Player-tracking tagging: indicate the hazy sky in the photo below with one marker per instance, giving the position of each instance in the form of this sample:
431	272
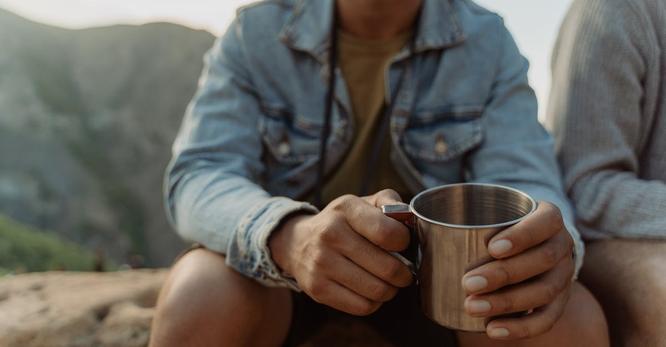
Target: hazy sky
534	23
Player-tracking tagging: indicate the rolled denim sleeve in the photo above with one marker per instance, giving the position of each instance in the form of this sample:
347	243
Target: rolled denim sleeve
517	151
213	189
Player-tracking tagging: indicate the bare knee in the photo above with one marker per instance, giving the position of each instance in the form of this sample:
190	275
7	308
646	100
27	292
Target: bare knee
204	302
627	277
583	319
645	307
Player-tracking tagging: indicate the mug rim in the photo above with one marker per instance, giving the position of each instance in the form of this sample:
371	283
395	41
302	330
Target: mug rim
466	226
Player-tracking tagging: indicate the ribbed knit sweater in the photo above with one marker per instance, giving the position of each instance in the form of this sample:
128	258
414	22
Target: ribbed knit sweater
608	113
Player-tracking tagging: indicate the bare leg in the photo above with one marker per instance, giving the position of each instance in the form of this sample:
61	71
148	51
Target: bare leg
629	278
205	303
582	325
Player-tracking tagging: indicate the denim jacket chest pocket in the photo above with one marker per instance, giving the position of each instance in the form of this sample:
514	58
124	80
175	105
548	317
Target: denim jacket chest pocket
437	139
289	138
291	143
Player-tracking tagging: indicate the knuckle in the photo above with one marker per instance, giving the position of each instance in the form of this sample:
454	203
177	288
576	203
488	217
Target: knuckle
323	225
389	193
374	306
392	271
328	234
364	308
550	292
348	199
506	304
545	206
391	292
335	205
503	275
342	202
526	239
318	290
318	258
379	292
550	256
554	214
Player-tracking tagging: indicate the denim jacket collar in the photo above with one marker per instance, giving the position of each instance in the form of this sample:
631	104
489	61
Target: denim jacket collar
309	26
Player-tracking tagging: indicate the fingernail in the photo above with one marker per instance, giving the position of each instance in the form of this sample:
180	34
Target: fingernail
500	247
478	306
475	283
498	333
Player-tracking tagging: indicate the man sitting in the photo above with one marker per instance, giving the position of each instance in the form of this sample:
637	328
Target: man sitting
403	95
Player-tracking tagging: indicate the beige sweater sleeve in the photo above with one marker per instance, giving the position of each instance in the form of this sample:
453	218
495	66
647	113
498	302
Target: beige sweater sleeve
600	61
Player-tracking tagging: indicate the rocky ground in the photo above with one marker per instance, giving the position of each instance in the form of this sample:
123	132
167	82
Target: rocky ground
68	309
113	309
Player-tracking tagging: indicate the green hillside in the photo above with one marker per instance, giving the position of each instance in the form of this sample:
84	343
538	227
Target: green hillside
23	248
87	119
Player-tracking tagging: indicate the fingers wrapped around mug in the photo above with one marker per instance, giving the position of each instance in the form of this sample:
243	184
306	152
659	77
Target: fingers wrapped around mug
522	297
521	267
341	257
523	292
542	225
537	322
369	221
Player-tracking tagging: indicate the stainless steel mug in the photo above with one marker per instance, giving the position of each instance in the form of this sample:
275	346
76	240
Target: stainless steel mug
454	224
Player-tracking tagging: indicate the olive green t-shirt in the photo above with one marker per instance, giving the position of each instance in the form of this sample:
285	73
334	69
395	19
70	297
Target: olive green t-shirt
364	64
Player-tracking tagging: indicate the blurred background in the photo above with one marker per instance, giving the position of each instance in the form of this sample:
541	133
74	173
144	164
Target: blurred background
91	96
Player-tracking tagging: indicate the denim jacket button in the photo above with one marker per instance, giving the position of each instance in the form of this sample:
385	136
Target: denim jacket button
284	148
440	145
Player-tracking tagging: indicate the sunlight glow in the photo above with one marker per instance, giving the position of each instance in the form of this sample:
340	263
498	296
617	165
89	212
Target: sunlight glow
534	23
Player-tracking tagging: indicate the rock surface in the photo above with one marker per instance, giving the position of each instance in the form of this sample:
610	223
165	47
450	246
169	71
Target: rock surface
67	309
113	309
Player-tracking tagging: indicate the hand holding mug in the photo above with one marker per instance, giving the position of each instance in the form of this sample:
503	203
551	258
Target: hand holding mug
341	256
531	272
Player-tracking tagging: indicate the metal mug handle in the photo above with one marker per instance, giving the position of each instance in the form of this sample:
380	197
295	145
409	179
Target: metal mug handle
403	213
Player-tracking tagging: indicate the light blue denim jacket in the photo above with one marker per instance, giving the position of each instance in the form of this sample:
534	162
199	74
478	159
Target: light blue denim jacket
247	151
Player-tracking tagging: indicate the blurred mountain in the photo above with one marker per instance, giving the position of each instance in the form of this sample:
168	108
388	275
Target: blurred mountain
87	118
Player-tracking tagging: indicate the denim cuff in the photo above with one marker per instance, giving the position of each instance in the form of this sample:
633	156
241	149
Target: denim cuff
248	252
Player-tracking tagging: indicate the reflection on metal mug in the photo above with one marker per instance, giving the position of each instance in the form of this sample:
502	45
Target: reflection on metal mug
453	224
